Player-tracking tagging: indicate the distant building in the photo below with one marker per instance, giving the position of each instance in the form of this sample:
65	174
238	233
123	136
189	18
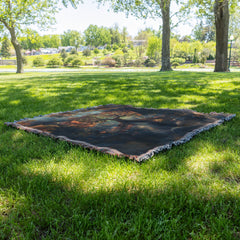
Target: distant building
82	48
67	48
137	43
33	52
48	50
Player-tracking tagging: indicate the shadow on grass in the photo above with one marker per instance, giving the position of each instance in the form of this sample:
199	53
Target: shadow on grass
42	205
106	197
33	95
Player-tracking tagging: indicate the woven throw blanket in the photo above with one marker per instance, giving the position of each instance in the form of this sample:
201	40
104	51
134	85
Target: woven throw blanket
122	130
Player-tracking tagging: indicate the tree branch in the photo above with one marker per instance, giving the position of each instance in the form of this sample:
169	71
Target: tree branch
5	23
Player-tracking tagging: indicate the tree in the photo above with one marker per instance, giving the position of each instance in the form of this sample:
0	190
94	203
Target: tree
154	48
51	41
144	9
221	10
234	25
97	36
72	38
31	41
124	35
205	32
165	9
15	15
144	35
115	35
5	49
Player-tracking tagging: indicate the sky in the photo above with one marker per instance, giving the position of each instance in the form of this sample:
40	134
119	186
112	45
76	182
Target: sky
88	13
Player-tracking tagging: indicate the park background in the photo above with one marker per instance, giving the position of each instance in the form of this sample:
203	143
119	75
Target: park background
96	36
53	190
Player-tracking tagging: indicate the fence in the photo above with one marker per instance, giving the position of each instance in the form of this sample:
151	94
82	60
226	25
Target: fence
235	64
8	62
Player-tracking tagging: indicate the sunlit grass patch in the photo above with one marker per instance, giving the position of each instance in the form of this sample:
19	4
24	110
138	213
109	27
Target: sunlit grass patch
53	190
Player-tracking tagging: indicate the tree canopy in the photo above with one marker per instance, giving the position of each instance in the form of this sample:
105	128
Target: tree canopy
71	38
5	49
97	36
17	15
145	9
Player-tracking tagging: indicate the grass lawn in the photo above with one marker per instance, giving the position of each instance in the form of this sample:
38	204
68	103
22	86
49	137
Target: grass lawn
52	190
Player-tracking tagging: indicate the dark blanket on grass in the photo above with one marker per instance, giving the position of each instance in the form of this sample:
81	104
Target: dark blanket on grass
137	133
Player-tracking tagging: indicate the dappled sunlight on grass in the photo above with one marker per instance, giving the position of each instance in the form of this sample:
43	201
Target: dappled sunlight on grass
51	189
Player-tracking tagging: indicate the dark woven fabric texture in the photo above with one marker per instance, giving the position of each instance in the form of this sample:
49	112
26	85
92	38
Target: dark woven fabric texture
122	130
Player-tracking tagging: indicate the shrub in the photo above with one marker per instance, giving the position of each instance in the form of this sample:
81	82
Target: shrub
97	62
126	59
178	60
63	54
115	46
54	62
105	52
96	50
118	52
119	60
175	64
68	60
138	62
203	59
24	60
74	51
109	48
109	61
38	62
131	46
150	62
125	50
76	62
86	52
73	61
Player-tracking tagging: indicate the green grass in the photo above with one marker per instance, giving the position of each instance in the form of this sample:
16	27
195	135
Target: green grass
52	190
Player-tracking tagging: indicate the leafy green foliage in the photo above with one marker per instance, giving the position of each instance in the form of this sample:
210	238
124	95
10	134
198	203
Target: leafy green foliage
71	38
125	50
119	60
18	14
175	64
96	50
73	61
205	33
24	60
68	60
86	52
38	62
97	36
51	41
109	62
138	62
54	62
150	62
234	25
115	35
154	48
63	54
178	60
31	40
5	49
77	62
74	51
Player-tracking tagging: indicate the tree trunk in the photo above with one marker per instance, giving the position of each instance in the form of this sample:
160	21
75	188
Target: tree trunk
221	12
165	8
17	48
